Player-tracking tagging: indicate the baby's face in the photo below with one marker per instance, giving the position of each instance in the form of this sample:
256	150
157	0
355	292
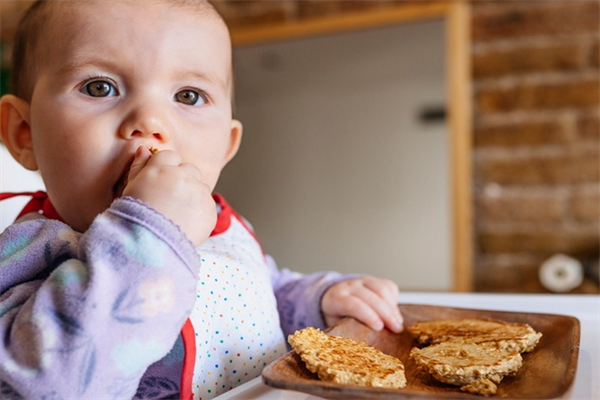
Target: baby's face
123	74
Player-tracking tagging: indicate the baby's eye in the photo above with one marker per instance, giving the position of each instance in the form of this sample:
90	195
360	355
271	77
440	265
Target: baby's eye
189	97
99	89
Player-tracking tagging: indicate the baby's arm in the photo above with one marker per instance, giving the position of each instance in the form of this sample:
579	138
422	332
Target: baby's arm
83	316
299	297
322	299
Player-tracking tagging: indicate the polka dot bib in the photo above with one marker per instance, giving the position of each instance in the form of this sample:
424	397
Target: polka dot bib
235	320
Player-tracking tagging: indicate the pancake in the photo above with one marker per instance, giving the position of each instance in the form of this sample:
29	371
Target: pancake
346	361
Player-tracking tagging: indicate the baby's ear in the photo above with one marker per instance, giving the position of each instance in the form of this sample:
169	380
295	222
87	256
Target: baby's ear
235	138
15	130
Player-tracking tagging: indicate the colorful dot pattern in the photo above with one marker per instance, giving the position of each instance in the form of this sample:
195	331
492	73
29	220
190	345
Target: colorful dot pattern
235	316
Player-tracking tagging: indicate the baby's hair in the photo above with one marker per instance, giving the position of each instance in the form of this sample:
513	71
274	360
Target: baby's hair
27	51
23	55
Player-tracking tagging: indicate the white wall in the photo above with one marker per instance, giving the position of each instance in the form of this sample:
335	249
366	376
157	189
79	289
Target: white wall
15	178
336	171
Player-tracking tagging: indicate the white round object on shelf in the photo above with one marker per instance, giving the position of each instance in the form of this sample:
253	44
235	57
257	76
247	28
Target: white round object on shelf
561	273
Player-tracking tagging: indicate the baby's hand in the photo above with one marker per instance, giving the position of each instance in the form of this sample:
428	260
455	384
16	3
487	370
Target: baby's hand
175	189
372	301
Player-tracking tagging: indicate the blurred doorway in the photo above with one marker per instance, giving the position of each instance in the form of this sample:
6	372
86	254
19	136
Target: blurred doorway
346	161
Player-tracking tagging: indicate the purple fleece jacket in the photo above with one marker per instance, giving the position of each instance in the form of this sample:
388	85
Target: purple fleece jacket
71	315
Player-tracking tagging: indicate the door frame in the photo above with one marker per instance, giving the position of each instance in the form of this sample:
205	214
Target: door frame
456	15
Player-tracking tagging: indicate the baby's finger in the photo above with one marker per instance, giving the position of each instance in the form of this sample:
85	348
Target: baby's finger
387	289
142	156
358	308
386	310
390	294
166	157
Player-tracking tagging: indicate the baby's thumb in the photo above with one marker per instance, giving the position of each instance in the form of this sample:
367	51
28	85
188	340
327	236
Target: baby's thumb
142	155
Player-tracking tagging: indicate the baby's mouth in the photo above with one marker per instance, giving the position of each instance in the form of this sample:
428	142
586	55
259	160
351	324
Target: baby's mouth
124	179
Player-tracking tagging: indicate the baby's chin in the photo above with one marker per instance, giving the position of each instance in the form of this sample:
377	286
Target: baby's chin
79	212
80	223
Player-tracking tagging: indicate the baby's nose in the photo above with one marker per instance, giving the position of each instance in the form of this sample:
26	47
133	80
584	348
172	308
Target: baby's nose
147	121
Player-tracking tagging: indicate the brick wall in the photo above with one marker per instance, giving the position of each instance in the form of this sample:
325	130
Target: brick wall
536	132
537	137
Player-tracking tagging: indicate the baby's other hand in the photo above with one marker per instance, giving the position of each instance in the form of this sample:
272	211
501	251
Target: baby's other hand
175	189
372	301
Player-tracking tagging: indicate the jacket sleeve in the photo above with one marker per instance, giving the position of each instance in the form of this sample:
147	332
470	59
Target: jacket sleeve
84	315
299	296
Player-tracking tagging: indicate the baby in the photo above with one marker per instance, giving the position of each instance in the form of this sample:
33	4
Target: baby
130	278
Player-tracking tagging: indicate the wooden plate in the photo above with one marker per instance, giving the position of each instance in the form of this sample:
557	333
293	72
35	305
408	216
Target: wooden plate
547	372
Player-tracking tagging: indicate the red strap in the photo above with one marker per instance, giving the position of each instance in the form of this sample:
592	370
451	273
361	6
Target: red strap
189	359
40	203
224	218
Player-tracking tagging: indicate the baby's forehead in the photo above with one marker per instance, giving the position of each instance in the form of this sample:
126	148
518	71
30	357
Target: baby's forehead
202	6
58	13
68	9
66	19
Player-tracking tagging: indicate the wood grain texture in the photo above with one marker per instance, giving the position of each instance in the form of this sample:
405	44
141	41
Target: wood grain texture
548	371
